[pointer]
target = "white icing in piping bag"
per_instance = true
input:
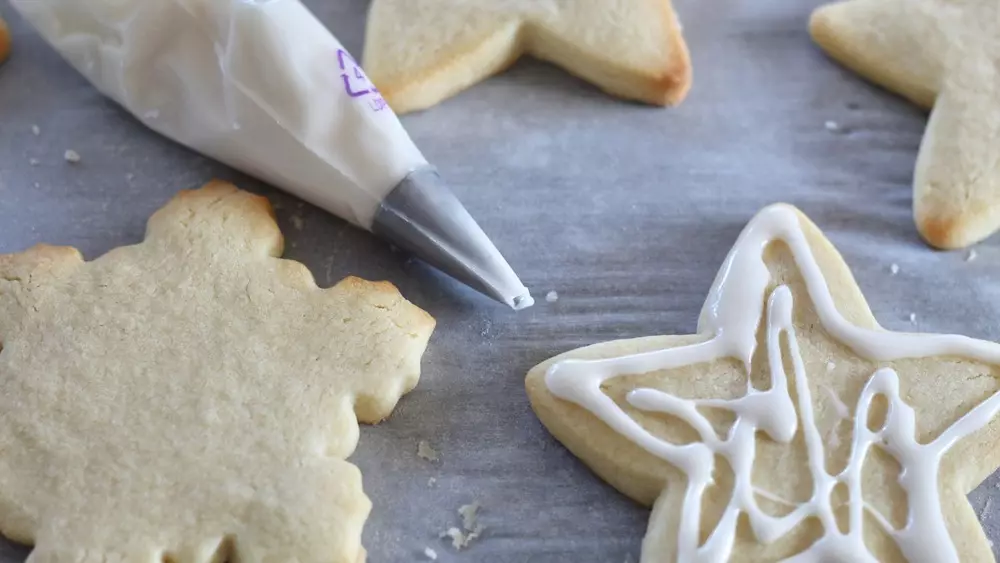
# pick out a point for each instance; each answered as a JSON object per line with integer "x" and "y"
{"x": 731, "y": 314}
{"x": 264, "y": 87}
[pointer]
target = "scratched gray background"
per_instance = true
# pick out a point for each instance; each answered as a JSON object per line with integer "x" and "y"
{"x": 626, "y": 211}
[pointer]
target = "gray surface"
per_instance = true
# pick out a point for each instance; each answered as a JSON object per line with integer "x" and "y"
{"x": 625, "y": 210}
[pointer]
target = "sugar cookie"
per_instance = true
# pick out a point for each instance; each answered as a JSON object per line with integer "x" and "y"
{"x": 765, "y": 436}
{"x": 942, "y": 55}
{"x": 193, "y": 398}
{"x": 420, "y": 53}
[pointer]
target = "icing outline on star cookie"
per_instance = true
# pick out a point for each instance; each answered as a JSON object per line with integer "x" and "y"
{"x": 732, "y": 313}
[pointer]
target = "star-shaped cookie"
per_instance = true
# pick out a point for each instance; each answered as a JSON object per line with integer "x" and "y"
{"x": 419, "y": 53}
{"x": 790, "y": 427}
{"x": 941, "y": 54}
{"x": 193, "y": 398}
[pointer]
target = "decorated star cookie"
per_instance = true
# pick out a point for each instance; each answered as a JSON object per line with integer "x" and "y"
{"x": 941, "y": 54}
{"x": 4, "y": 40}
{"x": 790, "y": 427}
{"x": 192, "y": 398}
{"x": 419, "y": 53}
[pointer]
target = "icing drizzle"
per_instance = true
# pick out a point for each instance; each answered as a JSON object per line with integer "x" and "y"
{"x": 731, "y": 314}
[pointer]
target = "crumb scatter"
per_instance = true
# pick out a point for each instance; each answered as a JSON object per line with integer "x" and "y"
{"x": 469, "y": 514}
{"x": 425, "y": 451}
{"x": 471, "y": 528}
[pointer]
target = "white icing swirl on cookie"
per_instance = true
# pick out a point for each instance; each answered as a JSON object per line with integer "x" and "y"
{"x": 731, "y": 314}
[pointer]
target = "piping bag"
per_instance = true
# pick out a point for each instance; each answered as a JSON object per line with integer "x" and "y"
{"x": 264, "y": 87}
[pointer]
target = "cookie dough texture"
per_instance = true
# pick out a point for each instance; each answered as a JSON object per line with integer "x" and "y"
{"x": 942, "y": 55}
{"x": 939, "y": 389}
{"x": 420, "y": 53}
{"x": 193, "y": 398}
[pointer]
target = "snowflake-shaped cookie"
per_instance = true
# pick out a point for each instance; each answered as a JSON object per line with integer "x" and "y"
{"x": 193, "y": 397}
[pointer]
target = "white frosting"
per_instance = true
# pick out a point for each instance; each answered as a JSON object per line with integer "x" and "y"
{"x": 260, "y": 85}
{"x": 731, "y": 314}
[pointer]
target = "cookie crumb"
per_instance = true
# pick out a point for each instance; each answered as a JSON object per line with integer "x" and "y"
{"x": 971, "y": 255}
{"x": 459, "y": 539}
{"x": 894, "y": 269}
{"x": 71, "y": 156}
{"x": 430, "y": 554}
{"x": 830, "y": 366}
{"x": 469, "y": 514}
{"x": 298, "y": 222}
{"x": 425, "y": 451}
{"x": 36, "y": 130}
{"x": 551, "y": 297}
{"x": 832, "y": 126}
{"x": 33, "y": 161}
{"x": 913, "y": 317}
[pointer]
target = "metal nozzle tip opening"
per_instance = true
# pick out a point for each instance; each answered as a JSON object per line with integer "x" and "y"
{"x": 523, "y": 301}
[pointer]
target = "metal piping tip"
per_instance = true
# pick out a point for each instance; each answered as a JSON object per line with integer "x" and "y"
{"x": 422, "y": 216}
{"x": 523, "y": 301}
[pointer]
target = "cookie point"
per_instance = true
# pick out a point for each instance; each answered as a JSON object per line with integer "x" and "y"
{"x": 674, "y": 88}
{"x": 943, "y": 232}
{"x": 823, "y": 28}
{"x": 820, "y": 17}
{"x": 674, "y": 83}
{"x": 817, "y": 16}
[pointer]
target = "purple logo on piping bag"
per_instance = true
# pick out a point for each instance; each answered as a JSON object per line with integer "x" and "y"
{"x": 356, "y": 84}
